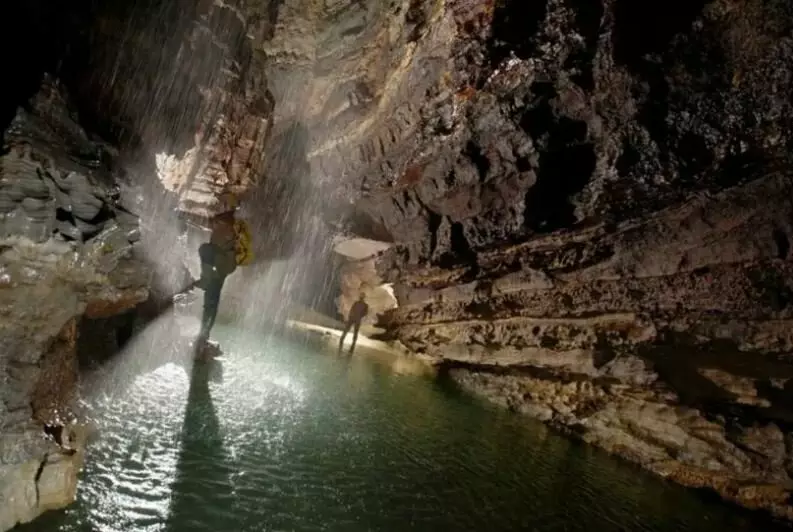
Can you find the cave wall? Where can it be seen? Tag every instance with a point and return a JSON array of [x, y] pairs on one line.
[[590, 200], [592, 211], [67, 250], [596, 115], [181, 86]]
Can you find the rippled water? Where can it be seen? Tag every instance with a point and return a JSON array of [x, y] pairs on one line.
[[291, 438]]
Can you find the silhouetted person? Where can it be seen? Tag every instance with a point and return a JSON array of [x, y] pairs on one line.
[[218, 261], [358, 312]]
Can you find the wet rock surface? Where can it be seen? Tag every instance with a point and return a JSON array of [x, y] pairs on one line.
[[665, 339], [184, 88], [66, 250], [589, 201], [591, 210]]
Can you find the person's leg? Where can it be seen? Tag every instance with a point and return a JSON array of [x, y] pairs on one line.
[[211, 304], [344, 335], [355, 335]]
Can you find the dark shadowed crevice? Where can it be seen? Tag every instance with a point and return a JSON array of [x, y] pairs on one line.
[[693, 154], [567, 131], [741, 165], [782, 243], [460, 250], [563, 173], [514, 25], [539, 119], [523, 164], [482, 163], [566, 162], [628, 158], [643, 28], [771, 286], [588, 17], [459, 243], [655, 110], [434, 223], [37, 478]]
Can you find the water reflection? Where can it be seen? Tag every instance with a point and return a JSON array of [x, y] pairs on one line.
[[202, 485], [293, 438]]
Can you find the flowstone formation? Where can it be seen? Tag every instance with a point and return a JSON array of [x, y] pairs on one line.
[[65, 254]]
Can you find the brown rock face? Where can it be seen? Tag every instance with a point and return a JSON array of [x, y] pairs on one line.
[[56, 388], [592, 215], [186, 85]]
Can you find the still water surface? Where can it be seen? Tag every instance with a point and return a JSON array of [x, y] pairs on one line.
[[295, 439]]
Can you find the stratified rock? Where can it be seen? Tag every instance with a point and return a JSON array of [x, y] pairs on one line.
[[83, 203], [575, 203], [39, 178], [206, 131], [46, 285]]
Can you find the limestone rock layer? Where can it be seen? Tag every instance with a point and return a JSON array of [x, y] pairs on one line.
[[66, 252], [596, 230]]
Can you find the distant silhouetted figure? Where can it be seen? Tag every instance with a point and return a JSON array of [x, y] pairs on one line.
[[218, 261], [358, 312]]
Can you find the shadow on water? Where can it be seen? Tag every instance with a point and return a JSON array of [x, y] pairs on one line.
[[202, 483]]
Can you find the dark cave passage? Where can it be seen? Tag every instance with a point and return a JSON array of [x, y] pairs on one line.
[[567, 162], [514, 25], [643, 28], [563, 173]]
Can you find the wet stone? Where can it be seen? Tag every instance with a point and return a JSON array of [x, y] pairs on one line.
[[12, 192], [87, 229], [85, 206], [37, 208], [69, 230], [132, 234], [62, 200], [33, 187], [7, 204], [59, 180], [20, 446], [74, 182]]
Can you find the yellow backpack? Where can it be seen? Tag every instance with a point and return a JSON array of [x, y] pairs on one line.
[[242, 243]]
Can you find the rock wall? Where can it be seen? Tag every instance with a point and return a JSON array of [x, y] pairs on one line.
[[66, 251], [361, 277], [593, 223], [585, 115], [184, 88], [589, 200], [666, 339]]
